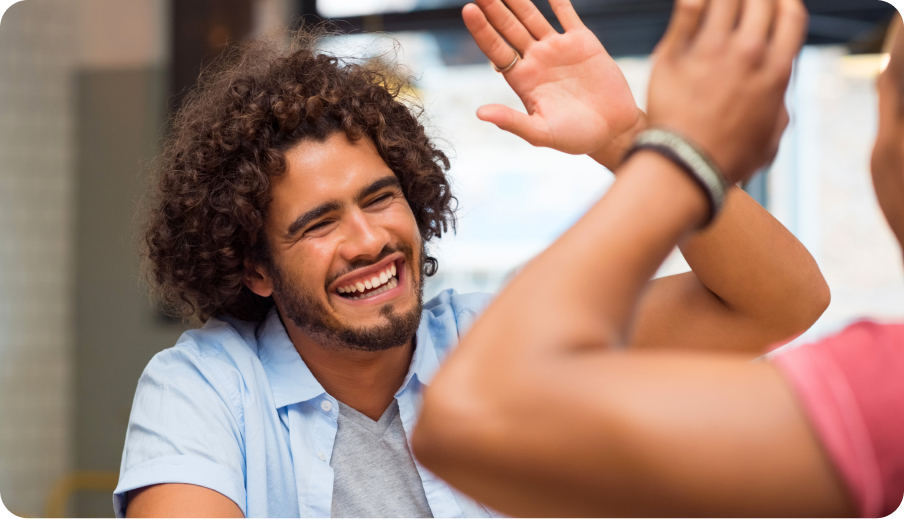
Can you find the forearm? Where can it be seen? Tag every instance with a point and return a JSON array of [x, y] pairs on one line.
[[583, 289], [753, 284], [753, 265], [757, 268]]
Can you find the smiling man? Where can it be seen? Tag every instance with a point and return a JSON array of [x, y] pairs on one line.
[[295, 200], [296, 195]]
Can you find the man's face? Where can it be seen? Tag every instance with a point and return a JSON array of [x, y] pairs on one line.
[[346, 252]]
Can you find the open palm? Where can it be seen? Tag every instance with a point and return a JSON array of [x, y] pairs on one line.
[[576, 97]]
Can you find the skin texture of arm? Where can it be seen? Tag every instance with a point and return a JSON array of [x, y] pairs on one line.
[[752, 283], [180, 500], [537, 412]]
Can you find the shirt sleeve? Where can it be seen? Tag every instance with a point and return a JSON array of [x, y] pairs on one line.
[[184, 428], [467, 308], [851, 388]]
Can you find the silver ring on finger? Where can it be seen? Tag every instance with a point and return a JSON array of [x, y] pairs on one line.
[[509, 66]]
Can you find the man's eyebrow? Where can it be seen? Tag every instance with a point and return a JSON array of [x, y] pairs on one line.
[[334, 205], [387, 181], [302, 221]]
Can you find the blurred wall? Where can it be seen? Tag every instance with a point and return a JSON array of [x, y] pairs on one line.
[[82, 96], [37, 181], [120, 104]]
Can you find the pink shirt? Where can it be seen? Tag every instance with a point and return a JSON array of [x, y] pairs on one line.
[[851, 387]]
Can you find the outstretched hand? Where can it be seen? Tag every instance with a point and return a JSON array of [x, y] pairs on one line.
[[577, 99], [720, 78]]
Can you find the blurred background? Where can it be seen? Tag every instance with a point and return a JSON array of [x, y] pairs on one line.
[[85, 90]]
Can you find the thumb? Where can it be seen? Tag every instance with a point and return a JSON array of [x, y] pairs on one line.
[[513, 121]]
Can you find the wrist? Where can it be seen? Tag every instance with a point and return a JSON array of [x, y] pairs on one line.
[[690, 203], [690, 159], [613, 153]]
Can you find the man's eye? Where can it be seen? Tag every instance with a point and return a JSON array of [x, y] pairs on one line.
[[381, 198], [318, 225]]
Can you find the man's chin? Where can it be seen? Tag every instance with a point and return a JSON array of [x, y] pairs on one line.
[[388, 321], [391, 328]]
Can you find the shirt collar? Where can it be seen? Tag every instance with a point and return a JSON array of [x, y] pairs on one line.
[[290, 379], [424, 362]]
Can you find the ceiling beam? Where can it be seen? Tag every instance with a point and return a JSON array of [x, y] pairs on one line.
[[630, 27]]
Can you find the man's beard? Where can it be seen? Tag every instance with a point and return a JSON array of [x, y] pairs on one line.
[[312, 318]]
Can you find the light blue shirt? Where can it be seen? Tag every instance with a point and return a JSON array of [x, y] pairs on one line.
[[232, 407]]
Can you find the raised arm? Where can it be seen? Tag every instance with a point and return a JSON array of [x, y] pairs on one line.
[[535, 414], [752, 283]]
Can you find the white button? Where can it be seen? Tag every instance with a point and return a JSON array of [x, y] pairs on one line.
[[321, 455], [326, 405]]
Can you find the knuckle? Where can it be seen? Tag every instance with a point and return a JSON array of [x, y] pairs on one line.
[[508, 24], [533, 18]]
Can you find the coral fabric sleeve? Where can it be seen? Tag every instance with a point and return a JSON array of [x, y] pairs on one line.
[[851, 387]]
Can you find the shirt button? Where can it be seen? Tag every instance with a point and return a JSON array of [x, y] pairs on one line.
[[321, 455], [326, 405]]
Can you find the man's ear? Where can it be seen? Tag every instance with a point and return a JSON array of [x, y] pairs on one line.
[[257, 279]]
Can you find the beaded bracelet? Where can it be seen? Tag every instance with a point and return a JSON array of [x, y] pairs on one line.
[[690, 159]]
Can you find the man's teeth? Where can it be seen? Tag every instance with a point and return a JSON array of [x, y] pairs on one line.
[[386, 279], [393, 282]]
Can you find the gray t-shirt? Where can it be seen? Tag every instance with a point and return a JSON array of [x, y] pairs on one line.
[[374, 473]]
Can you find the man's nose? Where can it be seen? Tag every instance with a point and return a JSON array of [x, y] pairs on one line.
[[364, 239]]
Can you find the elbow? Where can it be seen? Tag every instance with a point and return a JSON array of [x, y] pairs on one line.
[[789, 312], [818, 298], [802, 311], [823, 299]]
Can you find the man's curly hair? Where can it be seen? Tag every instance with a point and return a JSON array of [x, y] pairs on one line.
[[229, 140]]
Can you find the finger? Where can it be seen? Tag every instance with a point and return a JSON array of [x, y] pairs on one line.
[[566, 15], [894, 29], [891, 81], [512, 121], [506, 24], [756, 20], [896, 49], [720, 20], [790, 30], [489, 41], [683, 26], [531, 17]]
